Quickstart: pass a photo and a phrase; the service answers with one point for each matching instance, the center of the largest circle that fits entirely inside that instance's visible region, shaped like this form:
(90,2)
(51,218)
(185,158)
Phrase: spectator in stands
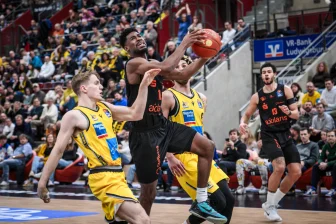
(68,92)
(106,34)
(108,93)
(306,117)
(21,153)
(123,22)
(326,162)
(117,32)
(133,18)
(3,118)
(184,21)
(60,70)
(8,110)
(92,60)
(85,27)
(15,57)
(328,97)
(42,154)
(102,48)
(116,65)
(75,53)
(308,150)
(260,162)
(311,95)
(126,9)
(84,65)
(80,39)
(35,61)
(298,94)
(97,12)
(323,140)
(58,31)
(228,35)
(152,54)
(142,18)
(150,34)
(47,70)
(124,149)
(111,22)
(21,127)
(119,100)
(58,53)
(49,115)
(321,74)
(86,15)
(6,150)
(9,128)
(38,93)
(122,87)
(196,24)
(35,112)
(171,47)
(17,109)
(321,121)
(96,35)
(234,150)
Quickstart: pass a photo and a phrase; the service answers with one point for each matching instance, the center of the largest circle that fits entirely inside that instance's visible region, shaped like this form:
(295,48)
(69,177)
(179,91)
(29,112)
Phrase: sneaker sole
(210,219)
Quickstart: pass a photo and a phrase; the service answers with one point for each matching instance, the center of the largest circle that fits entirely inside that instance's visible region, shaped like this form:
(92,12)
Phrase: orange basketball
(210,46)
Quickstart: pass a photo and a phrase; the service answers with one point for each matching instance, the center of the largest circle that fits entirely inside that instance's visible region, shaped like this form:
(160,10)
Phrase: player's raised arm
(252,107)
(136,111)
(68,125)
(131,41)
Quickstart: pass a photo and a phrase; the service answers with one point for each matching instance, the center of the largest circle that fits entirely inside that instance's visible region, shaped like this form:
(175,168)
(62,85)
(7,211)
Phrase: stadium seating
(72,172)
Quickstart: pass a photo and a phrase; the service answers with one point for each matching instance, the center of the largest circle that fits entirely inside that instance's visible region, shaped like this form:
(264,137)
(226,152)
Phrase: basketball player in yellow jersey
(90,124)
(186,106)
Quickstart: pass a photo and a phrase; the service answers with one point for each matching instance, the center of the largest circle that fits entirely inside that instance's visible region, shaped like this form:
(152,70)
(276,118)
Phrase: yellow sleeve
(304,99)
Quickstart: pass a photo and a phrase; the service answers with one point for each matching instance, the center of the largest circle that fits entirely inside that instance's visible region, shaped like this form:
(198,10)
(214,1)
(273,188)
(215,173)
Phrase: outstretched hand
(149,76)
(194,36)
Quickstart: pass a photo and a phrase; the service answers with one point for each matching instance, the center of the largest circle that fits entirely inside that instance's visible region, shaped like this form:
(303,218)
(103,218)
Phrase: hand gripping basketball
(209,46)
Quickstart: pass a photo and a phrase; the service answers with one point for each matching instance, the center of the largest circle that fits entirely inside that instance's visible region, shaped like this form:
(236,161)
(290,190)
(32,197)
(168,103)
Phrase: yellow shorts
(189,180)
(112,190)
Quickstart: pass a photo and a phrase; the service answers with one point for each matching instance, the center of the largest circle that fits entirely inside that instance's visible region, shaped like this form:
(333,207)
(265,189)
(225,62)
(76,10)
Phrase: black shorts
(280,144)
(149,148)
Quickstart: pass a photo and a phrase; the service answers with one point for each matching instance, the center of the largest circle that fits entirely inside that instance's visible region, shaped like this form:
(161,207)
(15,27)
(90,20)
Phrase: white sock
(278,196)
(202,194)
(270,198)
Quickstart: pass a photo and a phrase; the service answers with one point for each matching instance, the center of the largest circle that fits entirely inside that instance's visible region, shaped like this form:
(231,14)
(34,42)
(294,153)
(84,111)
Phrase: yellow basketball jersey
(188,110)
(99,142)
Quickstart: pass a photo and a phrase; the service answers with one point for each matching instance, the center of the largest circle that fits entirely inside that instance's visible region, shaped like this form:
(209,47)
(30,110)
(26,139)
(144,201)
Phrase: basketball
(210,46)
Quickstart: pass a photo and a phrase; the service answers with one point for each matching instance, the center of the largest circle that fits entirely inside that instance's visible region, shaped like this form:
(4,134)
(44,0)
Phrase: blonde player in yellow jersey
(186,106)
(90,124)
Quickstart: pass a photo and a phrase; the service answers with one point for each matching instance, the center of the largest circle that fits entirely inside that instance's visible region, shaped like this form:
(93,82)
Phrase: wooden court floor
(161,213)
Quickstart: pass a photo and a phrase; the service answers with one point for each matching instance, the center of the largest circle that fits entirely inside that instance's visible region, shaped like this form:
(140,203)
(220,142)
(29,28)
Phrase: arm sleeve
(330,123)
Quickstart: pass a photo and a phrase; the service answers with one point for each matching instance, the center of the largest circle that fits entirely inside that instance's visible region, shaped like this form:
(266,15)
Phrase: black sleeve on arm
(290,101)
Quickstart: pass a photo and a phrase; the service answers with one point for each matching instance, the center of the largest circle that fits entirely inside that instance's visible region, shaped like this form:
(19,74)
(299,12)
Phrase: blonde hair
(80,78)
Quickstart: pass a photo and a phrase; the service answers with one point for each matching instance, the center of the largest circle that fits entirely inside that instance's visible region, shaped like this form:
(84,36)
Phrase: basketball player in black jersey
(276,106)
(151,137)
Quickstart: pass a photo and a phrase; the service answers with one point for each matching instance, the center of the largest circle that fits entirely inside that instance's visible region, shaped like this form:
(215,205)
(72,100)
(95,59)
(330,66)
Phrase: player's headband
(187,59)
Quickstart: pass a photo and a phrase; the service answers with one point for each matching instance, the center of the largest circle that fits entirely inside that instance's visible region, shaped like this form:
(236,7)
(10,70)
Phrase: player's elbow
(137,116)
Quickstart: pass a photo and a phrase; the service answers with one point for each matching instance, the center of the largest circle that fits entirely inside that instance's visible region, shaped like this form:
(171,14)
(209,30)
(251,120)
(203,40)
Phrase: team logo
(262,98)
(279,93)
(200,105)
(108,114)
(265,106)
(184,105)
(94,117)
(274,49)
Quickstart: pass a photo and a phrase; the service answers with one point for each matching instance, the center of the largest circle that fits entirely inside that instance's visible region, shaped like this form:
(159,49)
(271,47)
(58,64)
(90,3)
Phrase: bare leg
(278,170)
(133,213)
(204,149)
(294,173)
(147,196)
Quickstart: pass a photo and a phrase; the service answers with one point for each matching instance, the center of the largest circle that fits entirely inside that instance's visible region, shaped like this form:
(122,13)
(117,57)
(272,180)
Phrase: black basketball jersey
(271,116)
(153,112)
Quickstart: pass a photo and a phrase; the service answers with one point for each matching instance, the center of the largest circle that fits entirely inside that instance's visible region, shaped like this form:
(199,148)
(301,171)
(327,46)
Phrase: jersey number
(160,95)
(274,111)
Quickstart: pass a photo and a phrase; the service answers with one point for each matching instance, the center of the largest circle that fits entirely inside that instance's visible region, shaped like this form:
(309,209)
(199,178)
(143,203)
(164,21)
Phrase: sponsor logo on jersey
(262,98)
(276,120)
(184,105)
(154,108)
(100,130)
(279,93)
(94,117)
(265,106)
(200,105)
(108,114)
(189,117)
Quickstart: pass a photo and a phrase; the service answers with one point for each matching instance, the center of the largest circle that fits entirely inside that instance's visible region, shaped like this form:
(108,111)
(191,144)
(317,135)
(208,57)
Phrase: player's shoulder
(167,94)
(201,95)
(255,98)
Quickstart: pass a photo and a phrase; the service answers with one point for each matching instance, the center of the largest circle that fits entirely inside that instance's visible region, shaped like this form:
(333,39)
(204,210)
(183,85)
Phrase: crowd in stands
(35,83)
